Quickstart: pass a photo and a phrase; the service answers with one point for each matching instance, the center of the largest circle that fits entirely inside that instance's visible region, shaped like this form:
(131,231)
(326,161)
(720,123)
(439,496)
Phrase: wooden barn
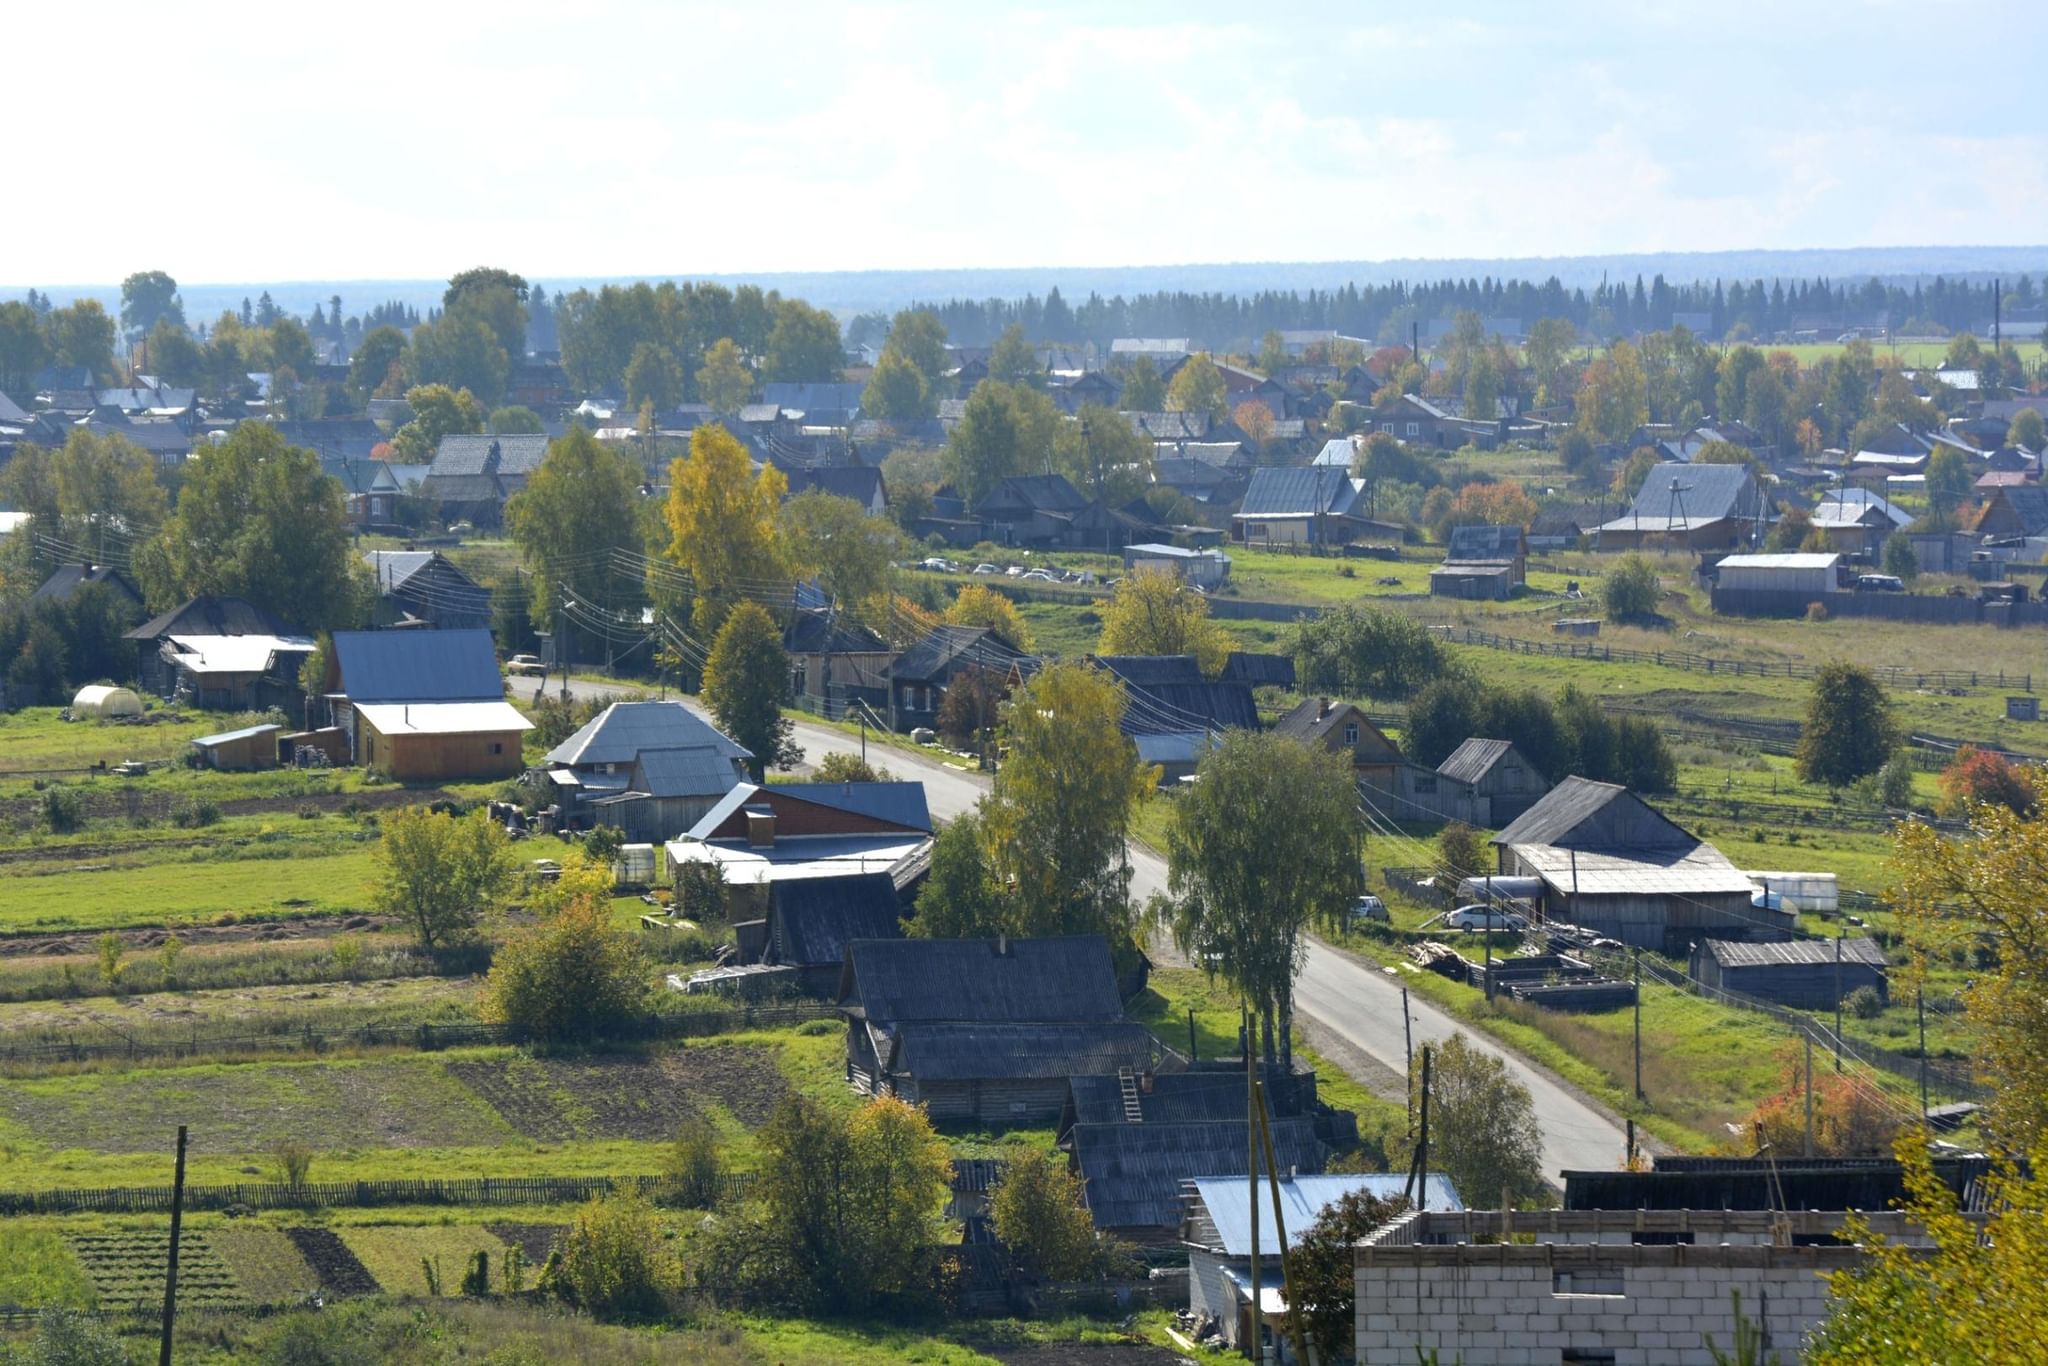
(425,705)
(1610,861)
(986,1030)
(812,920)
(239,751)
(1806,974)
(1503,783)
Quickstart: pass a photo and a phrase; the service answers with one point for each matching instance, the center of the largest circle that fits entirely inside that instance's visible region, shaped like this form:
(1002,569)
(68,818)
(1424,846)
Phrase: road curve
(1359,1004)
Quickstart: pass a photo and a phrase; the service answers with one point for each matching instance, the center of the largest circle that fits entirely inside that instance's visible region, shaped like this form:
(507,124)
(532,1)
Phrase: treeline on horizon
(1384,313)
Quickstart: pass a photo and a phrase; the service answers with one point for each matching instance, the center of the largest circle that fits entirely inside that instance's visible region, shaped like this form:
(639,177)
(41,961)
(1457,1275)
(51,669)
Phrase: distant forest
(1384,313)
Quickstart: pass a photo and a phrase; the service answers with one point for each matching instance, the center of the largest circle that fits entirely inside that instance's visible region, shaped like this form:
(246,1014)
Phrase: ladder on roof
(1133,1112)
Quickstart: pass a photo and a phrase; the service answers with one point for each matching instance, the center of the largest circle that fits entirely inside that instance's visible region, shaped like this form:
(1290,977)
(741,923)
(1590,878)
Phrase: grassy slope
(278,883)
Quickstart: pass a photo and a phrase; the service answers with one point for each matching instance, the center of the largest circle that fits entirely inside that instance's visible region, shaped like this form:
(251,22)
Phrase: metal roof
(1482,544)
(443,718)
(1019,1050)
(210,617)
(1473,760)
(1134,1172)
(418,666)
(1178,748)
(699,771)
(1787,560)
(518,453)
(898,803)
(234,654)
(392,568)
(1296,492)
(228,736)
(1705,494)
(812,920)
(1575,801)
(981,980)
(1797,952)
(619,733)
(1302,1199)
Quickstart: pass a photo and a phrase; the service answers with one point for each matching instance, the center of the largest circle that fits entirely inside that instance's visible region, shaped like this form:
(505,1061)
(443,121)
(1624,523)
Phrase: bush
(194,813)
(308,811)
(1864,1003)
(1631,590)
(575,976)
(291,1160)
(692,1170)
(608,1263)
(63,810)
(1038,1212)
(65,1337)
(603,843)
(1816,611)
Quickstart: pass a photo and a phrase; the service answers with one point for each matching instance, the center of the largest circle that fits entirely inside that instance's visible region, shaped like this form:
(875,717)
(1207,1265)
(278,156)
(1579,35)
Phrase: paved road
(1361,1005)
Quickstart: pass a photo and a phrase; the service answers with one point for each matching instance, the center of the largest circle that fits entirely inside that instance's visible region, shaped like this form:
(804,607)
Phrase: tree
(574,976)
(1980,776)
(370,368)
(496,299)
(515,420)
(1950,482)
(171,354)
(437,411)
(724,381)
(2027,430)
(1039,1214)
(655,376)
(979,605)
(1011,360)
(1791,530)
(147,298)
(971,707)
(609,1262)
(1634,472)
(1459,850)
(461,353)
(1630,592)
(722,524)
(106,487)
(1004,430)
(917,336)
(1255,420)
(438,874)
(896,391)
(1849,730)
(746,682)
(1548,349)
(579,511)
(1613,397)
(1103,455)
(1580,457)
(1486,505)
(852,554)
(1482,1123)
(1062,807)
(1899,559)
(258,519)
(23,348)
(1197,388)
(1154,613)
(1144,391)
(959,899)
(82,335)
(1264,845)
(849,1207)
(844,766)
(1323,1269)
(1366,651)
(803,345)
(70,1337)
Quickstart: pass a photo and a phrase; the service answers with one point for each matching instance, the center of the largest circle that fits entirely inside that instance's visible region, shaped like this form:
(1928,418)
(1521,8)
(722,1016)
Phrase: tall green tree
(23,348)
(655,376)
(578,511)
(497,299)
(149,297)
(437,875)
(1849,729)
(1483,1133)
(459,352)
(852,554)
(1104,456)
(107,491)
(919,337)
(171,354)
(1154,613)
(1038,1212)
(724,381)
(746,683)
(1950,483)
(1004,430)
(258,519)
(437,411)
(1144,391)
(371,367)
(1262,847)
(897,392)
(1063,803)
(804,344)
(82,334)
(1013,361)
(1197,388)
(959,899)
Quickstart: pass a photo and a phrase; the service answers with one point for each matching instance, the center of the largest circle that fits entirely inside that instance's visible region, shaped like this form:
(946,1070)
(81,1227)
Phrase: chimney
(761,826)
(1322,707)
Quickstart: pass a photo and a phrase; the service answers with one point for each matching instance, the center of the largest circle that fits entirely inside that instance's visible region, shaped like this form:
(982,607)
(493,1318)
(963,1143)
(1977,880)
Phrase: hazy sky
(246,142)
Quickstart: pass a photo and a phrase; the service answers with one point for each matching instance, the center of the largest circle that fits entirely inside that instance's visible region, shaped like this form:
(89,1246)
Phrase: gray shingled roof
(1804,952)
(518,454)
(1134,1171)
(1708,493)
(418,666)
(1474,759)
(974,980)
(621,731)
(1029,1050)
(1296,492)
(812,920)
(698,771)
(1574,802)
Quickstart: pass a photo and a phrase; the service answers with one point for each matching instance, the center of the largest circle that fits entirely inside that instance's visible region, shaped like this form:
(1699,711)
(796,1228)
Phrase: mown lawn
(181,893)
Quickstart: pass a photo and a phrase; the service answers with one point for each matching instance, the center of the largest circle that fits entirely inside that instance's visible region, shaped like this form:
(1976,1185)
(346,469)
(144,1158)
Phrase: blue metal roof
(418,666)
(1295,491)
(698,772)
(1303,1199)
(624,730)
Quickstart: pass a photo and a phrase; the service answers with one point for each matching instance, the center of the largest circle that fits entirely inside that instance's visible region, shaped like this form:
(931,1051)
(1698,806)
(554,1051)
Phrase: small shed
(239,751)
(1202,568)
(99,702)
(1808,974)
(1797,572)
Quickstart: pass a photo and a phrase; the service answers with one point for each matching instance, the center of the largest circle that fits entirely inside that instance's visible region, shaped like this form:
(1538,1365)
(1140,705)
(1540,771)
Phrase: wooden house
(426,586)
(834,658)
(920,676)
(1696,507)
(2014,512)
(473,475)
(761,837)
(1503,783)
(1608,860)
(811,922)
(1345,728)
(986,1031)
(597,776)
(221,653)
(1482,562)
(239,751)
(424,705)
(1806,974)
(67,581)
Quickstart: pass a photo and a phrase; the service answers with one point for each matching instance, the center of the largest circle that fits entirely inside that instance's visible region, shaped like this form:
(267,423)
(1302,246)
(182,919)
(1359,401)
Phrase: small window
(1586,1356)
(1351,734)
(1415,429)
(497,748)
(1387,427)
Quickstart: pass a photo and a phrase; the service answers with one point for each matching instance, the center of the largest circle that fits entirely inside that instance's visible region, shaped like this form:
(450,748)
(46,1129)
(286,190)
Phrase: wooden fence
(424,1037)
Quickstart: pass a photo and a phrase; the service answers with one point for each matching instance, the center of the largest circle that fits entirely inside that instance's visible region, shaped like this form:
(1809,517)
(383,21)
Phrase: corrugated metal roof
(1474,759)
(1797,952)
(392,568)
(229,736)
(1706,494)
(700,771)
(1055,979)
(210,617)
(812,920)
(418,666)
(619,733)
(898,803)
(1560,812)
(1303,1199)
(1179,748)
(1701,870)
(1193,1097)
(1295,492)
(443,718)
(1483,544)
(234,654)
(1789,560)
(1134,1172)
(466,454)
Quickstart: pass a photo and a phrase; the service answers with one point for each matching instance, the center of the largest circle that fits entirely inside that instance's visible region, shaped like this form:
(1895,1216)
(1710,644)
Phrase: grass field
(393,1254)
(181,893)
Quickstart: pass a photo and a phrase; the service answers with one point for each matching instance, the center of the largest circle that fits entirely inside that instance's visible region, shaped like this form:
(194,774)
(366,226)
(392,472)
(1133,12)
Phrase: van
(1879,583)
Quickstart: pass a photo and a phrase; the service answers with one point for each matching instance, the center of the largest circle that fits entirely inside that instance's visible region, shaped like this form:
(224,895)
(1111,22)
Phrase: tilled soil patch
(339,1272)
(631,1096)
(532,1240)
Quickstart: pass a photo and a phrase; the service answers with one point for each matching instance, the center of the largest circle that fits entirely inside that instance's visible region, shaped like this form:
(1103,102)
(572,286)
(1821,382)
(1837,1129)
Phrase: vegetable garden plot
(127,1269)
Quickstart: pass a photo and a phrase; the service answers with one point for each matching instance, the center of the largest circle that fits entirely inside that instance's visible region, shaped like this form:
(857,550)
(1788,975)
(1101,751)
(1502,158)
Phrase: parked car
(1041,575)
(1015,571)
(1369,910)
(1477,917)
(1880,583)
(986,569)
(525,664)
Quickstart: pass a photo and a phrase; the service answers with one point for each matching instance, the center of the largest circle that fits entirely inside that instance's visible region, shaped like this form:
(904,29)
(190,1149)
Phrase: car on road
(938,566)
(986,569)
(1015,571)
(1041,575)
(525,664)
(1880,583)
(1370,910)
(1477,917)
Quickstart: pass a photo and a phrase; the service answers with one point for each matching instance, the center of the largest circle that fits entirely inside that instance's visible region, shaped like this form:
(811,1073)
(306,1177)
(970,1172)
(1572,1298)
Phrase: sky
(377,140)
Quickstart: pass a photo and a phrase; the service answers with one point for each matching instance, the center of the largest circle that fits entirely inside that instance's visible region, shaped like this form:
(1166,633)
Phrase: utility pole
(1636,961)
(1839,935)
(1808,1038)
(1418,1169)
(1280,1232)
(1408,1056)
(1251,1126)
(163,1354)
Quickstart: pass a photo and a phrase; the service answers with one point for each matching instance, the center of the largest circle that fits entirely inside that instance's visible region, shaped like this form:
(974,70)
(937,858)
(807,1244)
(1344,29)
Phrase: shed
(1497,772)
(1809,974)
(1810,573)
(1203,568)
(100,702)
(811,921)
(239,751)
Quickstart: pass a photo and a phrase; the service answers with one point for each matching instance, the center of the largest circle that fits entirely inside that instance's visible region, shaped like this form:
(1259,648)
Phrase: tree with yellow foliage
(979,605)
(1154,613)
(722,525)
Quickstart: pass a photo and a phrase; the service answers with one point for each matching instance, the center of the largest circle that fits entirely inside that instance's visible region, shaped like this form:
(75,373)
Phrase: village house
(919,678)
(1697,507)
(1304,506)
(426,586)
(1806,974)
(424,705)
(1345,728)
(2013,513)
(369,489)
(757,837)
(1205,569)
(1482,562)
(1502,783)
(598,776)
(987,1031)
(248,750)
(67,581)
(473,475)
(224,654)
(834,659)
(1609,861)
(809,925)
(862,484)
(1857,521)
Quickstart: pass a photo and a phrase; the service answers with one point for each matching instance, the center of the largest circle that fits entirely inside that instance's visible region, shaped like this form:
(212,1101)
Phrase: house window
(1351,734)
(1415,429)
(497,748)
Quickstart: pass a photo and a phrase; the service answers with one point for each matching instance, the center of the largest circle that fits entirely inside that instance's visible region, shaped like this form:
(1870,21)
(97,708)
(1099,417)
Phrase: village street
(1359,1004)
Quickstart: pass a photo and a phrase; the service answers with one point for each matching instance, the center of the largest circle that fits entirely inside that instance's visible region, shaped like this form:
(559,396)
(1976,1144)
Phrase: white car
(986,569)
(937,566)
(1477,917)
(524,665)
(1370,909)
(1041,575)
(1015,571)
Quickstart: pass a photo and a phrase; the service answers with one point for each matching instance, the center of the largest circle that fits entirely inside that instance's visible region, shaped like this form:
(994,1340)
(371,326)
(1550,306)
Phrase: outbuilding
(1807,974)
(99,702)
(239,751)
(1811,573)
